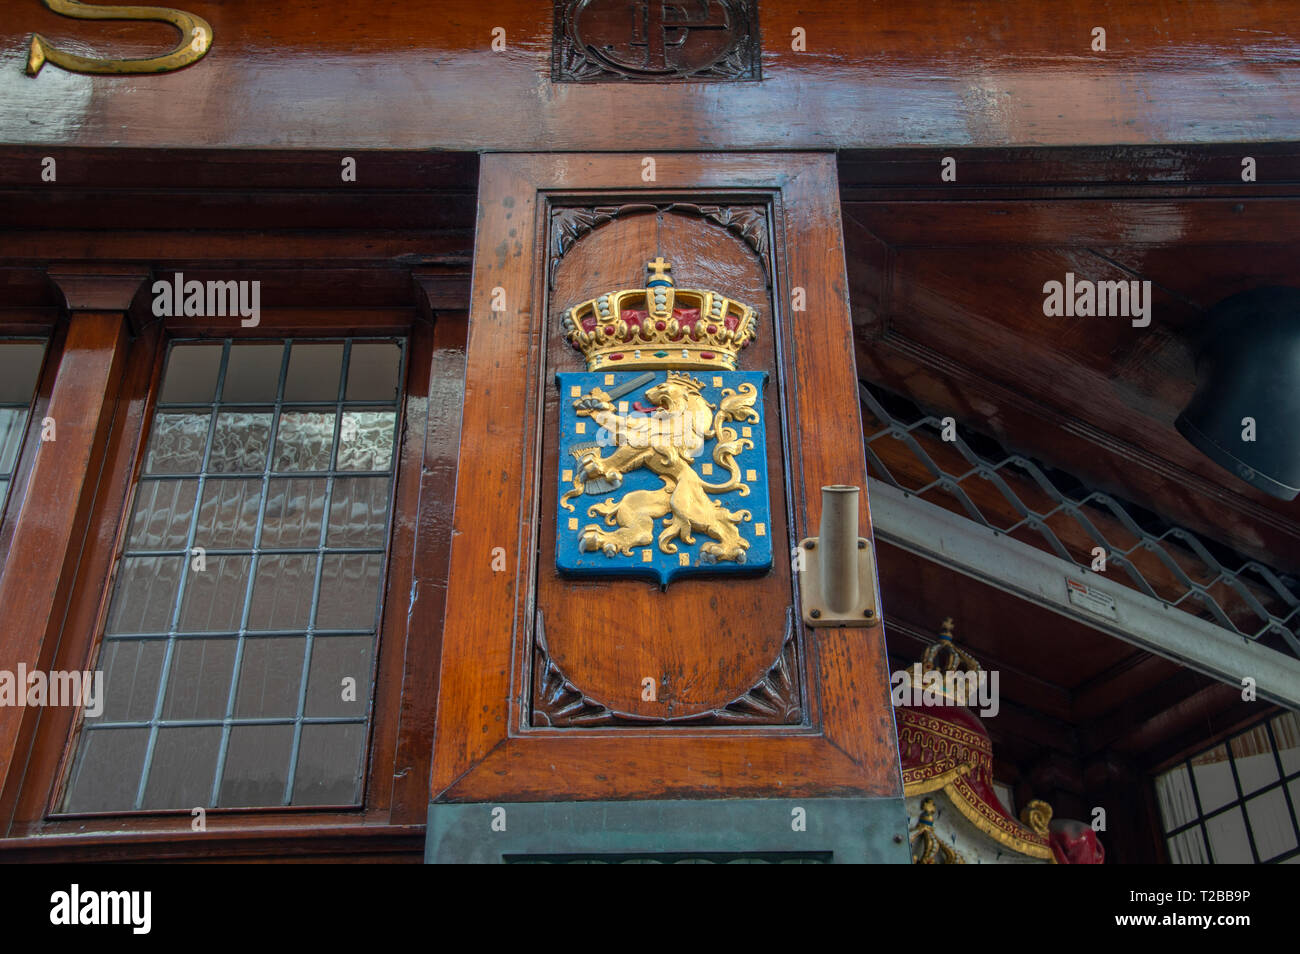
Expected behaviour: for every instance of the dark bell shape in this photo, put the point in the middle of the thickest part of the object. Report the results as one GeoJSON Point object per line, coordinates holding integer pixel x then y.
{"type": "Point", "coordinates": [1248, 370]}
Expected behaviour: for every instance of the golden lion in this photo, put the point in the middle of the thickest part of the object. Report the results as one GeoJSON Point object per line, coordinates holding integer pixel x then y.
{"type": "Point", "coordinates": [666, 443]}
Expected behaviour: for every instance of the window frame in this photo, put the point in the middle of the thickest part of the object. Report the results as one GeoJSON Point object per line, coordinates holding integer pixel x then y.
{"type": "Point", "coordinates": [399, 739]}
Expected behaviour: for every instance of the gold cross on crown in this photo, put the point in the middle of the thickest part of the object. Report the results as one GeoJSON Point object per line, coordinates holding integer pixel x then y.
{"type": "Point", "coordinates": [659, 268]}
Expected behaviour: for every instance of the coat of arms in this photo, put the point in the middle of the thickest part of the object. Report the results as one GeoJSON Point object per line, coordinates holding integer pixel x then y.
{"type": "Point", "coordinates": [663, 469]}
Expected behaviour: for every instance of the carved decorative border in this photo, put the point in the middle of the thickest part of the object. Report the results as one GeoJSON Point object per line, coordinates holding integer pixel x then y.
{"type": "Point", "coordinates": [773, 700]}
{"type": "Point", "coordinates": [571, 62]}
{"type": "Point", "coordinates": [570, 224]}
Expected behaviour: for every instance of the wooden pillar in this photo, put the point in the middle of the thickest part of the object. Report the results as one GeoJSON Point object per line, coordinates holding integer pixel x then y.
{"type": "Point", "coordinates": [54, 509]}
{"type": "Point", "coordinates": [586, 705]}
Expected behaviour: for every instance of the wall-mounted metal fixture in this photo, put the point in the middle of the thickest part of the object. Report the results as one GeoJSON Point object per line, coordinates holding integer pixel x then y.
{"type": "Point", "coordinates": [1245, 415]}
{"type": "Point", "coordinates": [837, 583]}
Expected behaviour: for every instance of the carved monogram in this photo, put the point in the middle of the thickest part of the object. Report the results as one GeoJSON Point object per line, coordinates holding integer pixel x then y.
{"type": "Point", "coordinates": [653, 40]}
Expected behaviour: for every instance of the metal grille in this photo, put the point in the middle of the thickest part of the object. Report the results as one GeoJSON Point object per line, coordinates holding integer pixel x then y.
{"type": "Point", "coordinates": [1055, 512]}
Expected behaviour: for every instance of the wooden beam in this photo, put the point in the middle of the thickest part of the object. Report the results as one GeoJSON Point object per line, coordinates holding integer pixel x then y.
{"type": "Point", "coordinates": [53, 511]}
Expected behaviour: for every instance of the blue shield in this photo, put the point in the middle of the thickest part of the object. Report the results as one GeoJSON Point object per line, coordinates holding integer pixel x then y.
{"type": "Point", "coordinates": [662, 474]}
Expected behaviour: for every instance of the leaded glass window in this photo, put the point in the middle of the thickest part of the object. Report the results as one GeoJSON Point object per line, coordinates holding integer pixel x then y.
{"type": "Point", "coordinates": [241, 635]}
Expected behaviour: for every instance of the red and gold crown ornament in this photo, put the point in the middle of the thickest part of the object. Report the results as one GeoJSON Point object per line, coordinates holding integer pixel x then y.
{"type": "Point", "coordinates": [660, 326]}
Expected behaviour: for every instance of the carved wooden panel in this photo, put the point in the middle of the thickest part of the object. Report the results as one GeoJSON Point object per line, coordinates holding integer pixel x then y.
{"type": "Point", "coordinates": [541, 692]}
{"type": "Point", "coordinates": [652, 41]}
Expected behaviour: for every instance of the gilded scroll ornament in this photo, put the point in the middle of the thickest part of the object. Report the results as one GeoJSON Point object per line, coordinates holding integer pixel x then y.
{"type": "Point", "coordinates": [196, 39]}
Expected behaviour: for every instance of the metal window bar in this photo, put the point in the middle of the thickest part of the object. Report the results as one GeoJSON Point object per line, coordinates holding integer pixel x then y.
{"type": "Point", "coordinates": [255, 553]}
{"type": "Point", "coordinates": [1252, 583]}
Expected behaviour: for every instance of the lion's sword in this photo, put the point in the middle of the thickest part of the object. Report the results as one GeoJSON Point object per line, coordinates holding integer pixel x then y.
{"type": "Point", "coordinates": [599, 485]}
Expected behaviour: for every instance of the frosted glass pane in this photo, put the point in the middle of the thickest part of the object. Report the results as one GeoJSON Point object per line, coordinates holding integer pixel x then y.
{"type": "Point", "coordinates": [305, 441]}
{"type": "Point", "coordinates": [366, 440]}
{"type": "Point", "coordinates": [178, 442]}
{"type": "Point", "coordinates": [240, 442]}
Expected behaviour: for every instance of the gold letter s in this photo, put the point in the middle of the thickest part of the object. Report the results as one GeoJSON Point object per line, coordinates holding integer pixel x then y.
{"type": "Point", "coordinates": [196, 36]}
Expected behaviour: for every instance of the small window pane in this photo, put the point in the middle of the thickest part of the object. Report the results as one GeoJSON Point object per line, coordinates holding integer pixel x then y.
{"type": "Point", "coordinates": [269, 678]}
{"type": "Point", "coordinates": [252, 373]}
{"type": "Point", "coordinates": [349, 591]}
{"type": "Point", "coordinates": [1214, 778]}
{"type": "Point", "coordinates": [372, 372]}
{"type": "Point", "coordinates": [106, 775]}
{"type": "Point", "coordinates": [144, 596]}
{"type": "Point", "coordinates": [366, 440]}
{"type": "Point", "coordinates": [295, 507]}
{"type": "Point", "coordinates": [305, 441]}
{"type": "Point", "coordinates": [314, 372]}
{"type": "Point", "coordinates": [1271, 824]}
{"type": "Point", "coordinates": [1253, 755]}
{"type": "Point", "coordinates": [191, 375]}
{"type": "Point", "coordinates": [1286, 730]}
{"type": "Point", "coordinates": [20, 368]}
{"type": "Point", "coordinates": [1174, 793]}
{"type": "Point", "coordinates": [282, 592]}
{"type": "Point", "coordinates": [228, 514]}
{"type": "Point", "coordinates": [184, 764]}
{"type": "Point", "coordinates": [162, 514]}
{"type": "Point", "coordinates": [214, 597]}
{"type": "Point", "coordinates": [1228, 842]}
{"type": "Point", "coordinates": [1188, 848]}
{"type": "Point", "coordinates": [13, 424]}
{"type": "Point", "coordinates": [333, 660]}
{"type": "Point", "coordinates": [240, 442]}
{"type": "Point", "coordinates": [257, 765]}
{"type": "Point", "coordinates": [178, 441]}
{"type": "Point", "coordinates": [358, 512]}
{"type": "Point", "coordinates": [131, 670]}
{"type": "Point", "coordinates": [198, 686]}
{"type": "Point", "coordinates": [329, 765]}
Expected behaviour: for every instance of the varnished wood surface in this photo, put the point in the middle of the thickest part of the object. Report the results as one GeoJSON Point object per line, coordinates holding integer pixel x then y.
{"type": "Point", "coordinates": [43, 553]}
{"type": "Point", "coordinates": [483, 749]}
{"type": "Point", "coordinates": [353, 76]}
{"type": "Point", "coordinates": [948, 304]}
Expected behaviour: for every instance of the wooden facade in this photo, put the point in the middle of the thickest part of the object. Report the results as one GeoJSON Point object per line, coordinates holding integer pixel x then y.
{"type": "Point", "coordinates": [888, 187]}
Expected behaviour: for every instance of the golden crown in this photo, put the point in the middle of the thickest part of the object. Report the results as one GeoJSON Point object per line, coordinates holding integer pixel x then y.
{"type": "Point", "coordinates": [659, 326]}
